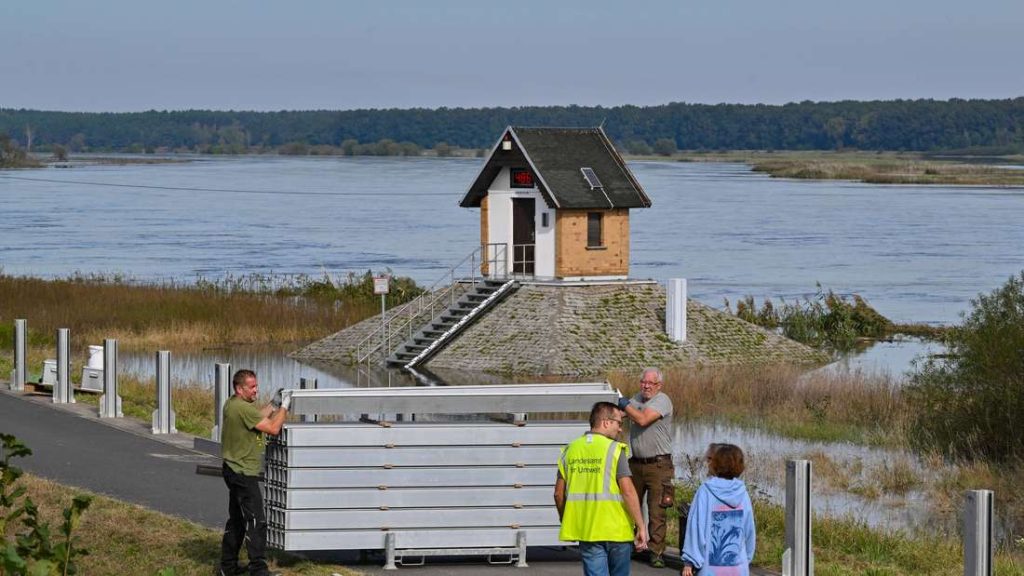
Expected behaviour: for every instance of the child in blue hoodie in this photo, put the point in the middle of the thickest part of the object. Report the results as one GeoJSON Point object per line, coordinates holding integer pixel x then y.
{"type": "Point", "coordinates": [720, 536]}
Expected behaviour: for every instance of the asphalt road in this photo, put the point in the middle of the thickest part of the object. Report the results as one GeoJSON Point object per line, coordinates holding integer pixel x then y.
{"type": "Point", "coordinates": [87, 453]}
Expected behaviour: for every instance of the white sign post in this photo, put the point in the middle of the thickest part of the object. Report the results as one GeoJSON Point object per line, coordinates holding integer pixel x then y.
{"type": "Point", "coordinates": [380, 286]}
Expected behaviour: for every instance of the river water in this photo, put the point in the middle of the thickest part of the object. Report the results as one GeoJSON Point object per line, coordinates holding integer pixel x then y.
{"type": "Point", "coordinates": [917, 253]}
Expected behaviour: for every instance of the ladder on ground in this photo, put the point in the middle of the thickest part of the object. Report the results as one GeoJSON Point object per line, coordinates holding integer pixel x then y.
{"type": "Point", "coordinates": [483, 267]}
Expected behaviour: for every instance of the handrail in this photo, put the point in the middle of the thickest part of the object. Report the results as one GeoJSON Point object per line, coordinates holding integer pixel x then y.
{"type": "Point", "coordinates": [491, 258]}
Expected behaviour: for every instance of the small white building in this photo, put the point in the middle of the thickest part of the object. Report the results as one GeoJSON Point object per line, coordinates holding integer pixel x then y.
{"type": "Point", "coordinates": [557, 200]}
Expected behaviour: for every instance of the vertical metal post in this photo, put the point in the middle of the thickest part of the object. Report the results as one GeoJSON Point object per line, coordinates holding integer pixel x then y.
{"type": "Point", "coordinates": [978, 533]}
{"type": "Point", "coordinates": [221, 393]}
{"type": "Point", "coordinates": [20, 342]}
{"type": "Point", "coordinates": [383, 331]}
{"type": "Point", "coordinates": [163, 416]}
{"type": "Point", "coordinates": [798, 557]}
{"type": "Point", "coordinates": [308, 384]}
{"type": "Point", "coordinates": [521, 545]}
{"type": "Point", "coordinates": [675, 310]}
{"type": "Point", "coordinates": [389, 551]}
{"type": "Point", "coordinates": [62, 391]}
{"type": "Point", "coordinates": [110, 402]}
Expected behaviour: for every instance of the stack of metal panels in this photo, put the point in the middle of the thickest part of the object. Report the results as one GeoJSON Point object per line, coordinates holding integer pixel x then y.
{"type": "Point", "coordinates": [439, 484]}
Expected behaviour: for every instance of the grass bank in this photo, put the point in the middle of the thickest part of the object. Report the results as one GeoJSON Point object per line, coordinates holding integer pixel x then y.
{"type": "Point", "coordinates": [869, 167]}
{"type": "Point", "coordinates": [127, 539]}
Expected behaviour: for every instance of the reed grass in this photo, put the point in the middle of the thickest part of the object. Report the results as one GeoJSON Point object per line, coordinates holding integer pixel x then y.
{"type": "Point", "coordinates": [246, 310]}
{"type": "Point", "coordinates": [173, 317]}
{"type": "Point", "coordinates": [856, 407]}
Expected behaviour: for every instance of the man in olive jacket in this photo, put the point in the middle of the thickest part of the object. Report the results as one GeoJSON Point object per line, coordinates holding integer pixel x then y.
{"type": "Point", "coordinates": [242, 445]}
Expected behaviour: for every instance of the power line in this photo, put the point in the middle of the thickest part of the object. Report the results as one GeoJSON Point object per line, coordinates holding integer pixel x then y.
{"type": "Point", "coordinates": [222, 190]}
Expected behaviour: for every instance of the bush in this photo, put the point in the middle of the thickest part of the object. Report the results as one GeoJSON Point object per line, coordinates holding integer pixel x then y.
{"type": "Point", "coordinates": [966, 402]}
{"type": "Point", "coordinates": [32, 551]}
{"type": "Point", "coordinates": [826, 320]}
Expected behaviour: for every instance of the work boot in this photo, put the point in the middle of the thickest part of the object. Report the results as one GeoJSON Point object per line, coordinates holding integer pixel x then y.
{"type": "Point", "coordinates": [657, 561]}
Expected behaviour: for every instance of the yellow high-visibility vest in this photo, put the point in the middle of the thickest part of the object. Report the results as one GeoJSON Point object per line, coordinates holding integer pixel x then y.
{"type": "Point", "coordinates": [594, 509]}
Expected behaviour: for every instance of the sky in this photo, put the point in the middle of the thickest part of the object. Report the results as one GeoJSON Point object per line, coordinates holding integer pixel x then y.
{"type": "Point", "coordinates": [134, 55]}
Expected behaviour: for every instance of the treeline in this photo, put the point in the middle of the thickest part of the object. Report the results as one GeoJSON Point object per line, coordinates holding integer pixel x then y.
{"type": "Point", "coordinates": [992, 126]}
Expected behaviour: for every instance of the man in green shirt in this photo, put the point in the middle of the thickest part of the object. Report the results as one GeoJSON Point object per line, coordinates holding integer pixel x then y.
{"type": "Point", "coordinates": [242, 446]}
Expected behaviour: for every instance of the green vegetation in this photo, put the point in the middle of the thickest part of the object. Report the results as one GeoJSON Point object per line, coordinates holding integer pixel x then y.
{"type": "Point", "coordinates": [33, 551]}
{"type": "Point", "coordinates": [826, 320]}
{"type": "Point", "coordinates": [129, 539]}
{"type": "Point", "coordinates": [967, 403]}
{"type": "Point", "coordinates": [12, 155]}
{"type": "Point", "coordinates": [891, 172]}
{"type": "Point", "coordinates": [244, 310]}
{"type": "Point", "coordinates": [788, 401]}
{"type": "Point", "coordinates": [845, 546]}
{"type": "Point", "coordinates": [975, 126]}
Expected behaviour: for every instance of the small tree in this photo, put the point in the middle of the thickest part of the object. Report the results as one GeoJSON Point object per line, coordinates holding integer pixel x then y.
{"type": "Point", "coordinates": [60, 153]}
{"type": "Point", "coordinates": [665, 146]}
{"type": "Point", "coordinates": [967, 402]}
{"type": "Point", "coordinates": [33, 552]}
{"type": "Point", "coordinates": [442, 149]}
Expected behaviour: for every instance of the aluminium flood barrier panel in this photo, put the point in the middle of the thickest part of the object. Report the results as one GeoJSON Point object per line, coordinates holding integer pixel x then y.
{"type": "Point", "coordinates": [446, 479]}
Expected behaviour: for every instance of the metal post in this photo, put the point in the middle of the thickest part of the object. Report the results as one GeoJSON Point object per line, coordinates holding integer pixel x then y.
{"type": "Point", "coordinates": [308, 384]}
{"type": "Point", "coordinates": [62, 391]}
{"type": "Point", "coordinates": [163, 416]}
{"type": "Point", "coordinates": [675, 310]}
{"type": "Point", "coordinates": [798, 557]}
{"type": "Point", "coordinates": [20, 340]}
{"type": "Point", "coordinates": [521, 545]}
{"type": "Point", "coordinates": [383, 331]}
{"type": "Point", "coordinates": [110, 402]}
{"type": "Point", "coordinates": [389, 551]}
{"type": "Point", "coordinates": [978, 533]}
{"type": "Point", "coordinates": [221, 393]}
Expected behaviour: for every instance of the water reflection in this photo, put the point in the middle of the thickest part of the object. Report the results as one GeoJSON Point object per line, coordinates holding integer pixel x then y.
{"type": "Point", "coordinates": [891, 358]}
{"type": "Point", "coordinates": [275, 369]}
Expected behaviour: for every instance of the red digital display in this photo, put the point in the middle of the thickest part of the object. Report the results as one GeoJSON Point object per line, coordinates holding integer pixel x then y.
{"type": "Point", "coordinates": [522, 178]}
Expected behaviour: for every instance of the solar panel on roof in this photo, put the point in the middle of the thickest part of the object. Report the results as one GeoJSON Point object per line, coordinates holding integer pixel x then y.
{"type": "Point", "coordinates": [591, 177]}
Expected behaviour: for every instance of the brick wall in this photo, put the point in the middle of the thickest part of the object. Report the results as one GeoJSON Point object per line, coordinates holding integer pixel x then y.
{"type": "Point", "coordinates": [574, 258]}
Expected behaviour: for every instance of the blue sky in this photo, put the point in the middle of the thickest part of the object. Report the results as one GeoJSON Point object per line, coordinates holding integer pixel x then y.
{"type": "Point", "coordinates": [120, 55]}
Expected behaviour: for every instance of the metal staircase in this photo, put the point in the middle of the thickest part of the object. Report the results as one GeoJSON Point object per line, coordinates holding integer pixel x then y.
{"type": "Point", "coordinates": [429, 339]}
{"type": "Point", "coordinates": [451, 295]}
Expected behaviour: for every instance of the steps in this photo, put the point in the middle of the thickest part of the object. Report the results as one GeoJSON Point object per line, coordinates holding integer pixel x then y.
{"type": "Point", "coordinates": [433, 335]}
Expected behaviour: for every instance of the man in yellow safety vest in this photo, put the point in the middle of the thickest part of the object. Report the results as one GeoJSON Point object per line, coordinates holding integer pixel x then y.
{"type": "Point", "coordinates": [596, 500]}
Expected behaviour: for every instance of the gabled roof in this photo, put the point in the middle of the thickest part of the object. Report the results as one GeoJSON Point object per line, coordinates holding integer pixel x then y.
{"type": "Point", "coordinates": [555, 156]}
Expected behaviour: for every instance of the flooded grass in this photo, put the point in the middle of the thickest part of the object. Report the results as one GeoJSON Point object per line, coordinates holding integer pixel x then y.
{"type": "Point", "coordinates": [843, 407]}
{"type": "Point", "coordinates": [848, 546]}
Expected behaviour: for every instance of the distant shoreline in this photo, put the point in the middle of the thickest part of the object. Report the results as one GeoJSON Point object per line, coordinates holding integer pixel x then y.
{"type": "Point", "coordinates": [912, 168]}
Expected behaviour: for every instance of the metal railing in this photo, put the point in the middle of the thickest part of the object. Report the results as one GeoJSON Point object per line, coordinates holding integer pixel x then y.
{"type": "Point", "coordinates": [490, 260]}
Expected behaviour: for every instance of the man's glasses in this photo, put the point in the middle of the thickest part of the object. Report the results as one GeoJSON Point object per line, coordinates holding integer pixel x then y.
{"type": "Point", "coordinates": [649, 383]}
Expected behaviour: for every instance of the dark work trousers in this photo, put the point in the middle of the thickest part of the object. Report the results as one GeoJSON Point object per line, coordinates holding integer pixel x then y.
{"type": "Point", "coordinates": [246, 523]}
{"type": "Point", "coordinates": [651, 481]}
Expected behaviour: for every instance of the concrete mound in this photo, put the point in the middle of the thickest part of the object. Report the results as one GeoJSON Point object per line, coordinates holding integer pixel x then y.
{"type": "Point", "coordinates": [545, 329]}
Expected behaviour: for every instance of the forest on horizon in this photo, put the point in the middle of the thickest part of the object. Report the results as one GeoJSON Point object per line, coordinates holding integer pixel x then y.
{"type": "Point", "coordinates": [956, 125]}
